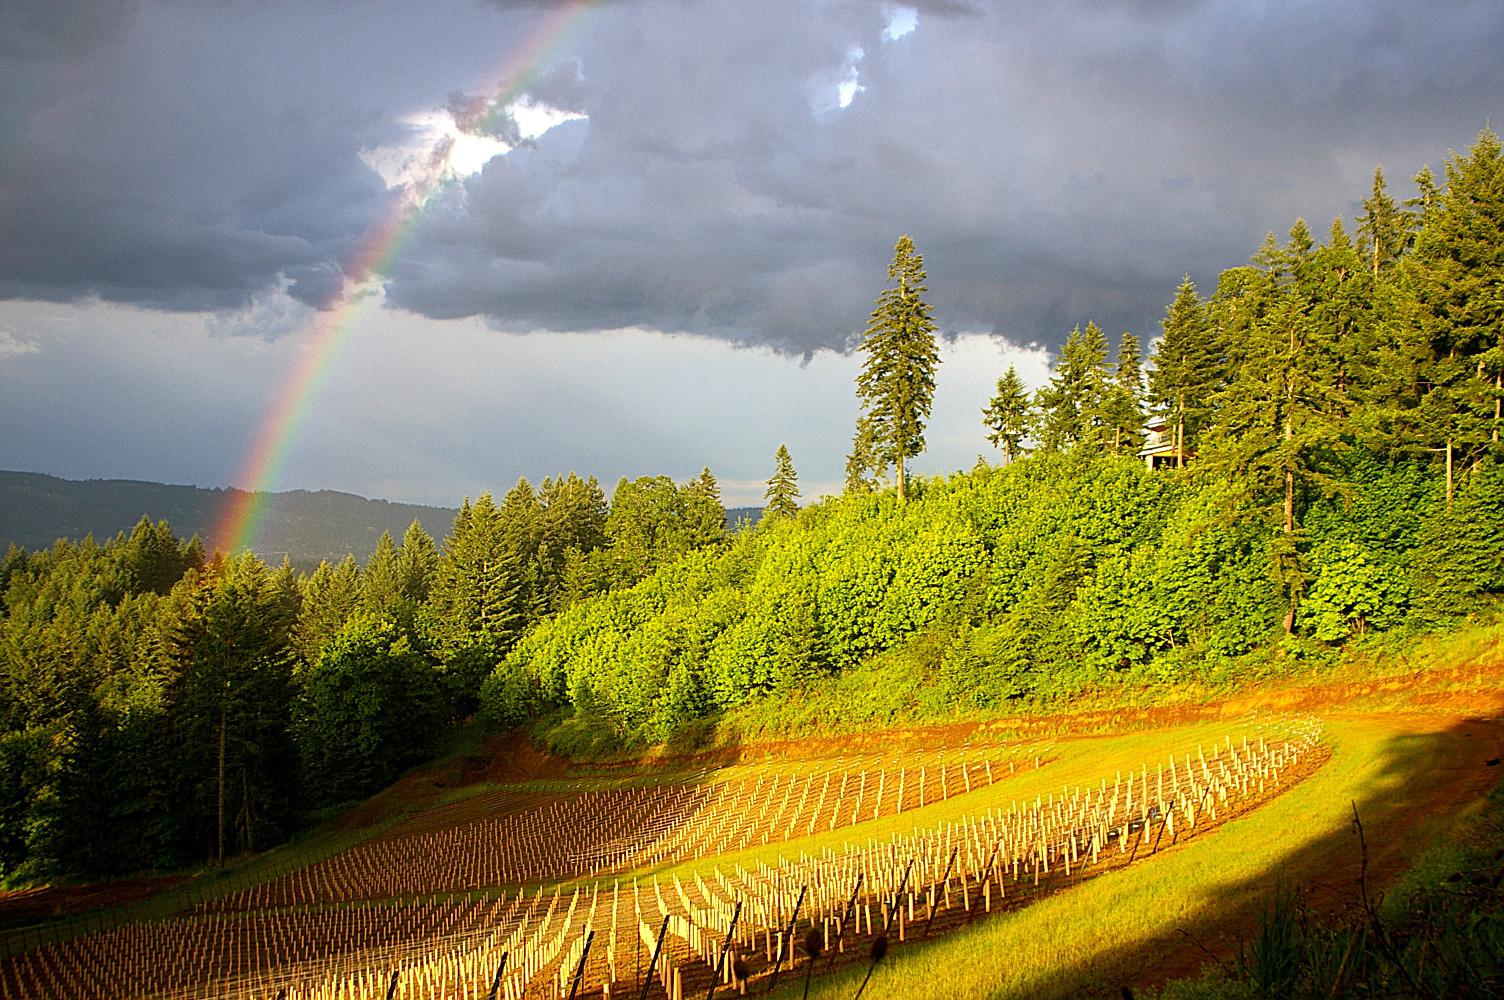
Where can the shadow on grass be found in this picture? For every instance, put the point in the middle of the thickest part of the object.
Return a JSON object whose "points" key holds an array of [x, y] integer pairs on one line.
{"points": [[1166, 917]]}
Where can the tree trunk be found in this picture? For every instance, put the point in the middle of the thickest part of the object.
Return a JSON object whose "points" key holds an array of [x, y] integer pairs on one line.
{"points": [[1449, 475], [1498, 401], [900, 479], [1289, 525], [220, 796], [245, 799], [1180, 433]]}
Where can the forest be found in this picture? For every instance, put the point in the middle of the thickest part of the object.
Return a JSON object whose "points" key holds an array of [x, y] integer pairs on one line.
{"points": [[1334, 476]]}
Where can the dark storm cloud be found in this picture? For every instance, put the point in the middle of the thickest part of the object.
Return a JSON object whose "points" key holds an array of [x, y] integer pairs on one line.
{"points": [[1054, 165], [50, 30], [1053, 162]]}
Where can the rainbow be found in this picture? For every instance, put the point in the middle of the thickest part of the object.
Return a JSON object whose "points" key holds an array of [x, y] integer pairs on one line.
{"points": [[261, 470]]}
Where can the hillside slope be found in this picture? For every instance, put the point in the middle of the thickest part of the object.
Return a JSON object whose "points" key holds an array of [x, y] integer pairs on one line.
{"points": [[36, 509]]}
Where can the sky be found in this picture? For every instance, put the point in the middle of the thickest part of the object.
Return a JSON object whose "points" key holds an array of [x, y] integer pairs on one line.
{"points": [[514, 238]]}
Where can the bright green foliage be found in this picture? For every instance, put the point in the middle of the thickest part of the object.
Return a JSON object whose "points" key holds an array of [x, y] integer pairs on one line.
{"points": [[897, 381], [782, 494], [1458, 564], [371, 707], [1007, 415], [1006, 563], [1351, 590]]}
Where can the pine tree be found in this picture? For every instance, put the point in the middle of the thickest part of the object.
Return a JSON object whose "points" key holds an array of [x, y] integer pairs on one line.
{"points": [[1088, 369], [1125, 399], [704, 514], [232, 683], [862, 465], [330, 596], [1072, 407], [477, 587], [418, 560], [381, 589], [1457, 271], [1283, 414], [1007, 415], [1383, 227], [521, 520], [783, 489], [897, 381], [1185, 370]]}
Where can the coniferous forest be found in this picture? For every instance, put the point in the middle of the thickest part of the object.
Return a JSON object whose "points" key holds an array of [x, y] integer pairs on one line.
{"points": [[1327, 472]]}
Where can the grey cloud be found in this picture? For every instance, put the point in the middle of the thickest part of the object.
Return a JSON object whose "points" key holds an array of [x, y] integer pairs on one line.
{"points": [[560, 86], [47, 30], [1053, 163]]}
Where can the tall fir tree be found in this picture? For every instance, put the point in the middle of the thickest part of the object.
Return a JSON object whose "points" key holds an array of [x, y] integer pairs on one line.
{"points": [[381, 582], [417, 561], [1124, 409], [1283, 415], [897, 381], [782, 494], [1457, 271], [330, 595], [477, 586], [1006, 416], [862, 464], [1383, 228], [1186, 370], [233, 659], [1072, 407], [704, 514]]}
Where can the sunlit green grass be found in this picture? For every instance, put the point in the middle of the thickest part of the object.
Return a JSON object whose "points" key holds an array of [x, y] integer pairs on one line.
{"points": [[1120, 925]]}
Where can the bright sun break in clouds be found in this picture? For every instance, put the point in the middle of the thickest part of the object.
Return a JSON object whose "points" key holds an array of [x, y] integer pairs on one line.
{"points": [[902, 21], [438, 150], [848, 88]]}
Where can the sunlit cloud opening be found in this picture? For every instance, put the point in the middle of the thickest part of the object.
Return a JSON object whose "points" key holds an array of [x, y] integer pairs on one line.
{"points": [[902, 21], [848, 88], [437, 149]]}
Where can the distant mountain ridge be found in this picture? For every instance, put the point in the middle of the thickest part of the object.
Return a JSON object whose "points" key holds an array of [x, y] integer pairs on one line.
{"points": [[301, 525], [304, 526]]}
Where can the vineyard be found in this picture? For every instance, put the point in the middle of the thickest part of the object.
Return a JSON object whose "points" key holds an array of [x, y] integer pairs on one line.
{"points": [[682, 883]]}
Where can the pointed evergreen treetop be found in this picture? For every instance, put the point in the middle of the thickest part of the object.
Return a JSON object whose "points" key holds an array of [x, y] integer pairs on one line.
{"points": [[783, 489], [1006, 417], [897, 381]]}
